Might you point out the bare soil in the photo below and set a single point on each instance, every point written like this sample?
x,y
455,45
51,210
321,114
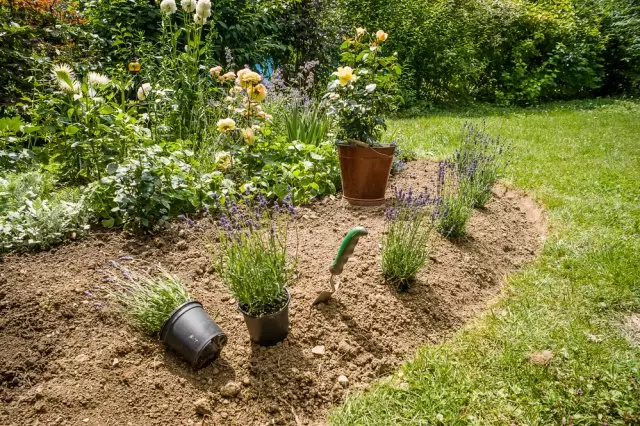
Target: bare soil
x,y
67,357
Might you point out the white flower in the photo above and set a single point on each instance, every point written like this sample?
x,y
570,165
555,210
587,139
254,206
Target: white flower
x,y
203,8
144,91
188,5
97,79
201,20
64,72
66,78
168,6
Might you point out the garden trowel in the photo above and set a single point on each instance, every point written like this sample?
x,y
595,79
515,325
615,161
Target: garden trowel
x,y
344,252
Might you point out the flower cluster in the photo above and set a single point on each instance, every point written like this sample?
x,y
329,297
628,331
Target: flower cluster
x,y
364,88
69,83
243,102
202,9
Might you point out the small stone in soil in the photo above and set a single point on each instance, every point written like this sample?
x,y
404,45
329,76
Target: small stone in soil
x,y
318,350
230,390
202,407
342,379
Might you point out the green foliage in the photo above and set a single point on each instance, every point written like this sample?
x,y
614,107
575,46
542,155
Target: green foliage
x,y
365,88
35,215
307,124
149,301
307,171
621,25
253,261
405,244
153,185
506,51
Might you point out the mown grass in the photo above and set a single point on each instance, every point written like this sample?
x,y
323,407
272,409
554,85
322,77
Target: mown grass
x,y
582,161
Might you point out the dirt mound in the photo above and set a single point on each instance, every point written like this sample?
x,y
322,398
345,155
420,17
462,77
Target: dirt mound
x,y
67,358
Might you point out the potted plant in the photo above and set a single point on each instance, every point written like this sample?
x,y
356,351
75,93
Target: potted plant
x,y
162,305
254,265
365,88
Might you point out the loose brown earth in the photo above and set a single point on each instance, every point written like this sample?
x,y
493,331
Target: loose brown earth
x,y
66,356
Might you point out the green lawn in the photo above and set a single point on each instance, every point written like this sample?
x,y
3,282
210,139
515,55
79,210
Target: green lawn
x,y
582,161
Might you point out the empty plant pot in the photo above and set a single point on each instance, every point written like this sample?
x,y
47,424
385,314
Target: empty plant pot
x,y
192,333
267,330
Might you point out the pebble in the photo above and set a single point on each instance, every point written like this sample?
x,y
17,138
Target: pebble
x,y
318,350
342,379
115,362
202,407
230,390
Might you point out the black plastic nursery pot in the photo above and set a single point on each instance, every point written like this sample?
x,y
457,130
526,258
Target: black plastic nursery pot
x,y
192,333
267,330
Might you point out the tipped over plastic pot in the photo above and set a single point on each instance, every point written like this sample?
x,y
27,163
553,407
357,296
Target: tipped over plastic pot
x,y
192,333
267,330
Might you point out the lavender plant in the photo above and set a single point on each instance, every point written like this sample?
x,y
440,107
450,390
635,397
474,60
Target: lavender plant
x,y
456,200
480,160
148,301
405,246
253,261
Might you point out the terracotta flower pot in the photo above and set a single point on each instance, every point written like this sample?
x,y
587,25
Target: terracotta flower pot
x,y
365,173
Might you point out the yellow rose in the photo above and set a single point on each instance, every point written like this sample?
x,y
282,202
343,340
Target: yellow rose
x,y
360,31
257,93
345,75
381,35
226,124
248,78
215,71
248,135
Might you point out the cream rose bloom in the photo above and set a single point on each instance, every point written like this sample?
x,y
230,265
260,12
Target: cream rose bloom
x,y
381,35
257,93
345,75
360,31
248,78
215,71
248,135
226,124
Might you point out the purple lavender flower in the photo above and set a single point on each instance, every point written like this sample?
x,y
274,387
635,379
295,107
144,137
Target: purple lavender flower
x,y
125,258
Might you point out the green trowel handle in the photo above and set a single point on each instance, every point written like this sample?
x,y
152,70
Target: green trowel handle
x,y
346,249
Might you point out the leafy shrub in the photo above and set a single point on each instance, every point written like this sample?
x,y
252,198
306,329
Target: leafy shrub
x,y
149,301
365,88
33,215
253,261
405,244
150,187
480,160
456,201
621,57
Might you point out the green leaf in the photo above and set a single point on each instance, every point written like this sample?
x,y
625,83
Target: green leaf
x,y
108,223
71,130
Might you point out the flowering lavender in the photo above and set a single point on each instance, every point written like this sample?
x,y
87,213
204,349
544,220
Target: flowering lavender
x,y
409,224
480,160
253,260
455,200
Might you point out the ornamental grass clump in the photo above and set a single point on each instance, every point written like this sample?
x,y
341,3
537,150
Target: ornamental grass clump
x,y
253,261
455,200
148,301
481,159
405,246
